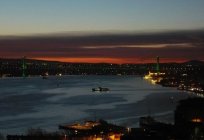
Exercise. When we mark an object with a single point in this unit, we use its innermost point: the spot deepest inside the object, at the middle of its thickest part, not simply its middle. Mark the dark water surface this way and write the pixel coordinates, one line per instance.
(46, 103)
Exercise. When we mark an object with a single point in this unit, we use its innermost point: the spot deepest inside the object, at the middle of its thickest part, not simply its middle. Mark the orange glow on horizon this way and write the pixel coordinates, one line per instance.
(107, 60)
(83, 60)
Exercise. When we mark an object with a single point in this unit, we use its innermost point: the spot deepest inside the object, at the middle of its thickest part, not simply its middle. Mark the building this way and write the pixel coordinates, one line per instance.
(189, 119)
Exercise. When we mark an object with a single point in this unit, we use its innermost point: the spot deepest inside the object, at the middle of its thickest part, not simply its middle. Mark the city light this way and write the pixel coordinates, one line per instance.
(197, 120)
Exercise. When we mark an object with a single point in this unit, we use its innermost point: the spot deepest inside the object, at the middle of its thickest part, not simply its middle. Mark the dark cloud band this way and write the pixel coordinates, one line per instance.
(175, 45)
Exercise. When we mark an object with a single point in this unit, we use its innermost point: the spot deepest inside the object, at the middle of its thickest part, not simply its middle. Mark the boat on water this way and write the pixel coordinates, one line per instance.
(100, 89)
(45, 75)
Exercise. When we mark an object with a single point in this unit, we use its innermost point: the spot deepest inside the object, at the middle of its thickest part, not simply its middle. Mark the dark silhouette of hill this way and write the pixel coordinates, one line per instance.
(194, 62)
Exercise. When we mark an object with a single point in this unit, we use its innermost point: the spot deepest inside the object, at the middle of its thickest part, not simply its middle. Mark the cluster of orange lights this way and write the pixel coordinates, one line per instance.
(154, 77)
(197, 120)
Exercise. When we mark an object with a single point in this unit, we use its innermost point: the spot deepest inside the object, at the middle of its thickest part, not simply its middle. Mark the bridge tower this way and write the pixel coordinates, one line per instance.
(157, 65)
(24, 67)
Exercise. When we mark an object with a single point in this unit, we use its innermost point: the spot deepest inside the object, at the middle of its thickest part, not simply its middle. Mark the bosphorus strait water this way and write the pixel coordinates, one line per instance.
(34, 102)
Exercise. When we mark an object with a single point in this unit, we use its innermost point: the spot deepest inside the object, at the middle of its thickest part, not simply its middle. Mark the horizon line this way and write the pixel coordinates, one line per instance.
(52, 60)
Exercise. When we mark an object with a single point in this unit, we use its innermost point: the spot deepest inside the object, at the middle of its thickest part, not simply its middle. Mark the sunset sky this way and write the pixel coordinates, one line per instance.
(111, 31)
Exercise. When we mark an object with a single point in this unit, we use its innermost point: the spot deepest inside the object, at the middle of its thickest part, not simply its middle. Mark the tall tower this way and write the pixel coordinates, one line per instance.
(157, 66)
(24, 67)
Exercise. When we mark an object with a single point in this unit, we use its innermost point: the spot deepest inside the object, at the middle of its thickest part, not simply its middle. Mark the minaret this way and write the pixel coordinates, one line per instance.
(157, 67)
